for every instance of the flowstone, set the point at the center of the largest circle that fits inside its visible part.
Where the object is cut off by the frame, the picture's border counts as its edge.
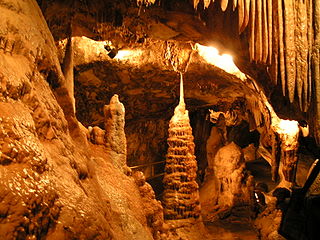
(228, 187)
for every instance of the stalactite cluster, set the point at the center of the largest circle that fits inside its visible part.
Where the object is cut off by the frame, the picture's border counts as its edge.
(316, 62)
(181, 194)
(282, 35)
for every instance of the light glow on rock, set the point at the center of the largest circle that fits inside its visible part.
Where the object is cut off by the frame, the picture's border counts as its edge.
(224, 61)
(128, 54)
(89, 50)
(289, 127)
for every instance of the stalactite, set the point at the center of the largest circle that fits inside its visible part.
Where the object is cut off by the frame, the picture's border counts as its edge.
(281, 47)
(270, 21)
(316, 63)
(206, 3)
(240, 14)
(181, 194)
(258, 31)
(301, 43)
(224, 5)
(264, 32)
(275, 43)
(246, 15)
(234, 4)
(307, 91)
(289, 23)
(252, 30)
(195, 3)
(281, 36)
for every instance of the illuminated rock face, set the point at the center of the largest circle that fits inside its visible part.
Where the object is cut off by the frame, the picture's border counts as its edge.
(181, 194)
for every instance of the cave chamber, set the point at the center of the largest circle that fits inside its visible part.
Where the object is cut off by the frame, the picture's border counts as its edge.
(157, 119)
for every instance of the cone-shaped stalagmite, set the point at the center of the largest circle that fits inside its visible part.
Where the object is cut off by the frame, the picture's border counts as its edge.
(181, 194)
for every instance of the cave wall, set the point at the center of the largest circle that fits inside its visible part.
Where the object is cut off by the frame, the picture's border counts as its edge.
(54, 184)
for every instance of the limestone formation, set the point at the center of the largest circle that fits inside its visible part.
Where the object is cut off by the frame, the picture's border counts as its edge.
(152, 207)
(181, 195)
(115, 138)
(214, 142)
(229, 169)
(229, 186)
(114, 125)
(51, 185)
(97, 135)
(56, 185)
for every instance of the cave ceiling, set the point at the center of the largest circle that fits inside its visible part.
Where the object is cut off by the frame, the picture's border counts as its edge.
(161, 40)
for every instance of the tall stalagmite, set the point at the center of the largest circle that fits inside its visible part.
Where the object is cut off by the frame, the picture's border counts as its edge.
(181, 194)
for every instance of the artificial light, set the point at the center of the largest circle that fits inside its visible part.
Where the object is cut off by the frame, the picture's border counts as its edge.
(225, 61)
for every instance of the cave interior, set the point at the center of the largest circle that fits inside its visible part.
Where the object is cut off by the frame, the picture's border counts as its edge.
(158, 119)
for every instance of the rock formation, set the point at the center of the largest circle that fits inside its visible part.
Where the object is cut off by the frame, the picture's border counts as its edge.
(52, 184)
(115, 138)
(228, 186)
(56, 69)
(181, 194)
(152, 207)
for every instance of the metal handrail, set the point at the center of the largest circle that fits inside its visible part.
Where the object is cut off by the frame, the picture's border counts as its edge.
(156, 176)
(147, 164)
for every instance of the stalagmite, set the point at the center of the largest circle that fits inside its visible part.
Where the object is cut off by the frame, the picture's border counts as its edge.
(240, 14)
(270, 25)
(181, 194)
(264, 32)
(252, 30)
(258, 31)
(115, 138)
(301, 43)
(281, 48)
(224, 5)
(289, 23)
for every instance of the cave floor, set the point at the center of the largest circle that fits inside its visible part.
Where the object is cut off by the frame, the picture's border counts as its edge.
(222, 230)
(235, 229)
